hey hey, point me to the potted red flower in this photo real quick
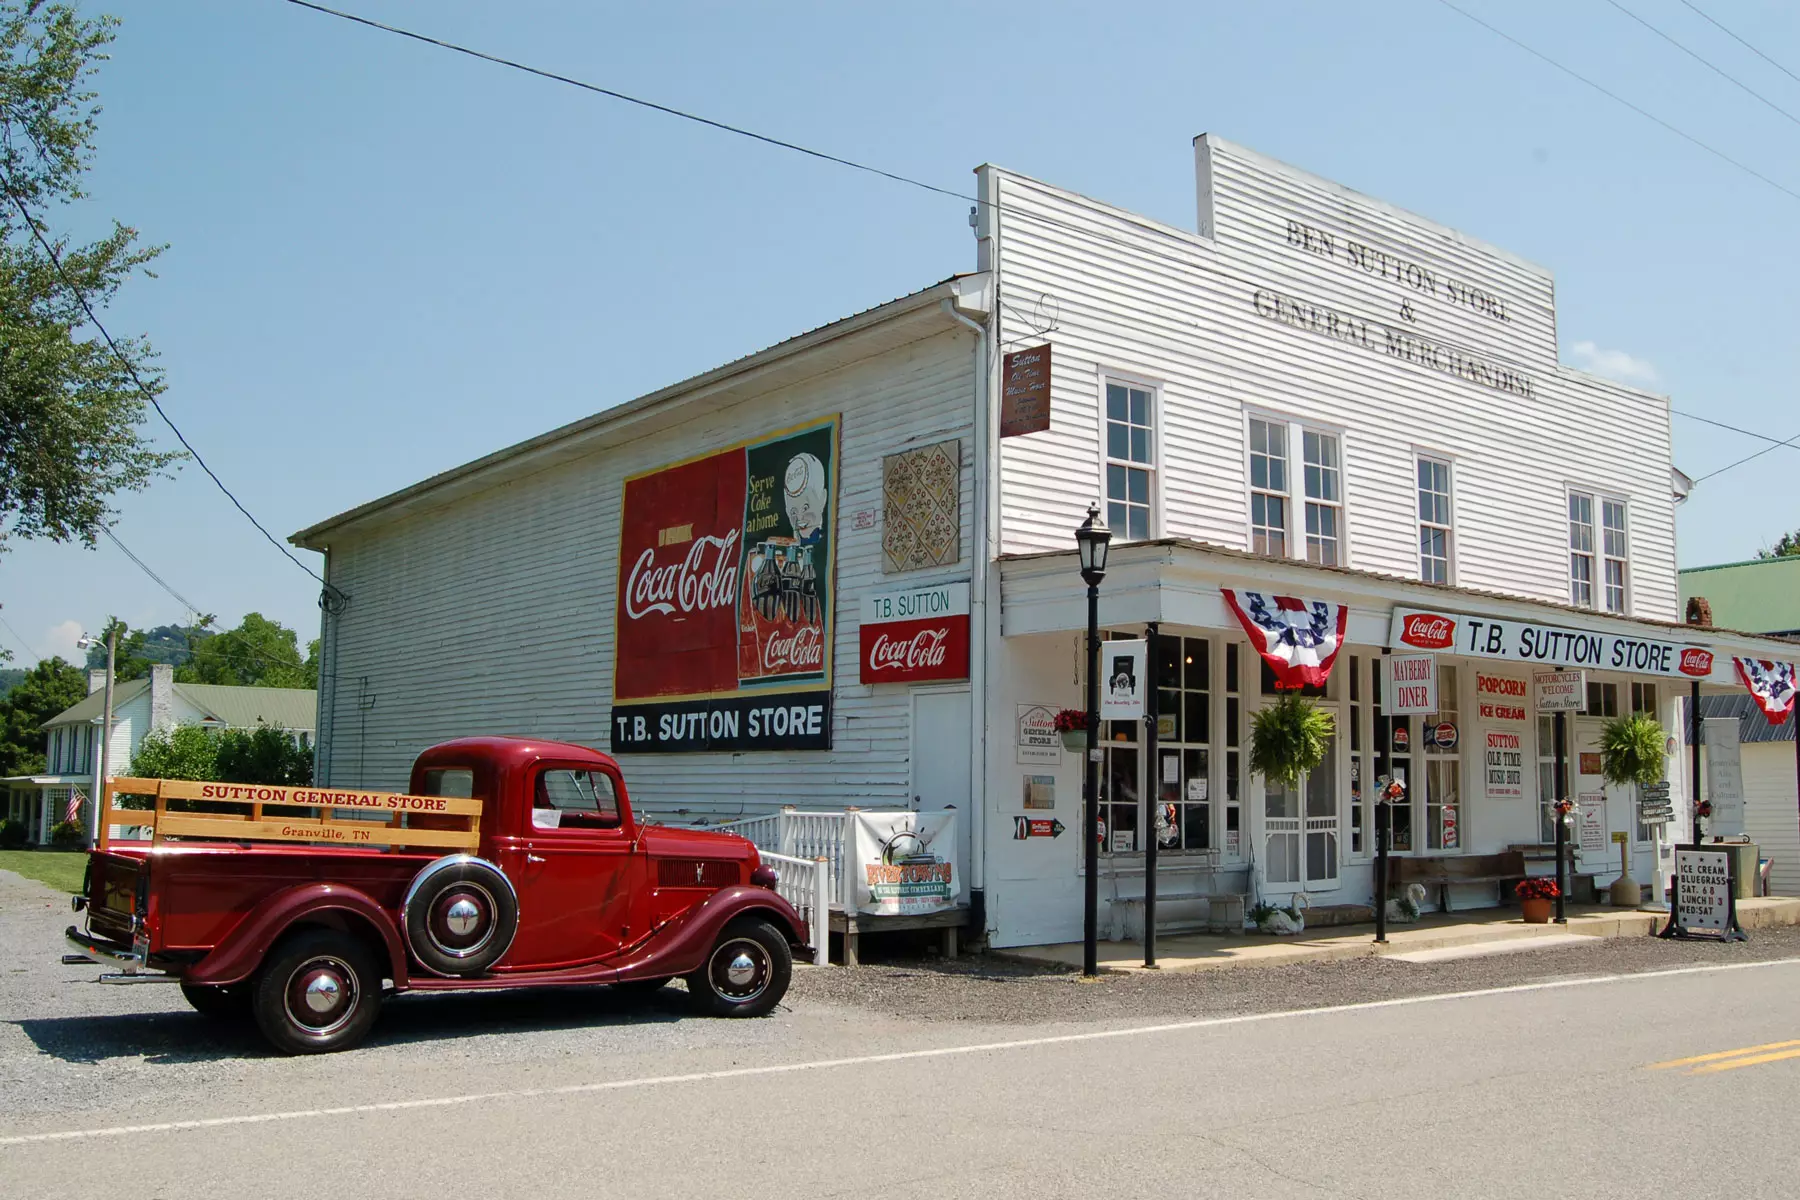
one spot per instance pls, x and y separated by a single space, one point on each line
1072 724
1535 895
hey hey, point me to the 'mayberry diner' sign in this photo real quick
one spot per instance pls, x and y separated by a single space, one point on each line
723 627
1551 645
918 635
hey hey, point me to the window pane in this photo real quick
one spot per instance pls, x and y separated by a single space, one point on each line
1259 436
1277 513
1259 471
1115 483
1140 523
1116 409
1277 474
1118 440
1115 517
1196 652
1140 407
1140 445
1139 484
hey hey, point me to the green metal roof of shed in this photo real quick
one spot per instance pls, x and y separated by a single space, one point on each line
1759 596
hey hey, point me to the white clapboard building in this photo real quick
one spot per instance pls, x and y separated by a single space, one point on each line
841 572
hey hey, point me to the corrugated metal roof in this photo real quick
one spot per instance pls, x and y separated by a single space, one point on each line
1762 594
237 707
1752 725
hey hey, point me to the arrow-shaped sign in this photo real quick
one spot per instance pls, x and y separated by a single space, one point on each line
1030 827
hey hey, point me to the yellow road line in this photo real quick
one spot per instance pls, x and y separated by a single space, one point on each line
1735 1063
1706 1058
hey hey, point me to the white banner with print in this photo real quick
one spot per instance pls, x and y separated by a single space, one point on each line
905 863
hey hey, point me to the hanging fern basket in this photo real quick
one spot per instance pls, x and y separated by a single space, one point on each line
1632 750
1289 738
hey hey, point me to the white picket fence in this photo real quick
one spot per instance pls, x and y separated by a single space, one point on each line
803 835
806 884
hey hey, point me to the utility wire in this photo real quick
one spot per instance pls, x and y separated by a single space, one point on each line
56 261
1740 41
1748 458
1716 70
19 638
1614 96
145 568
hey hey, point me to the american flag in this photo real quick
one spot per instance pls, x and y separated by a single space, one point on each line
77 802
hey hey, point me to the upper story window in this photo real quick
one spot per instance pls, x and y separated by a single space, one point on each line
1268 486
1130 458
1273 447
1434 520
1598 556
1324 498
1581 549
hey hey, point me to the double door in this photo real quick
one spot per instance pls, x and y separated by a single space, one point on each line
1301 828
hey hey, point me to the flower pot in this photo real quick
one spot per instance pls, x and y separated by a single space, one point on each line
1536 911
1074 740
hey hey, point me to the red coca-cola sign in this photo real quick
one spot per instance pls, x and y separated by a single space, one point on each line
916 636
1428 631
1695 661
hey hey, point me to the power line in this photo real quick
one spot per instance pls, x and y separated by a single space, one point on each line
56 262
1716 70
1614 96
1740 41
19 638
1748 458
145 568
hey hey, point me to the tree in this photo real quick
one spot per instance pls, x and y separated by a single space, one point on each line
180 752
258 653
1786 546
139 649
264 755
46 690
70 411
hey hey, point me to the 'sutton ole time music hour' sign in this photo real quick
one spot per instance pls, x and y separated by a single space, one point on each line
917 635
723 627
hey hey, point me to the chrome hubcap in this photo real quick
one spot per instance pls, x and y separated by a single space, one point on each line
321 995
462 917
462 920
740 970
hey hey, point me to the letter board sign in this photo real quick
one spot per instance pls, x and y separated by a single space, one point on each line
919 635
723 630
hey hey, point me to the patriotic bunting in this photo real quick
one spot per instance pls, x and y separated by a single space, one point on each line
1298 638
1772 683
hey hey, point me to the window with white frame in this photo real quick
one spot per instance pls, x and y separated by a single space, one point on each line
1581 549
1130 458
1324 498
1613 552
1268 487
1434 520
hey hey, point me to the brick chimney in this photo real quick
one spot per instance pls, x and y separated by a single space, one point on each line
96 681
162 696
1699 612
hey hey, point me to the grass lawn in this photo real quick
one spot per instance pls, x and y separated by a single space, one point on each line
61 869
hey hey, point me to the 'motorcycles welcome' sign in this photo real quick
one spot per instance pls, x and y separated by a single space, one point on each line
723 630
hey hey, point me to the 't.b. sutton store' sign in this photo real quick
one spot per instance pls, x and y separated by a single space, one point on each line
723 630
1527 641
916 636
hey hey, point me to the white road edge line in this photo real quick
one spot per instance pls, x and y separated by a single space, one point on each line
823 1064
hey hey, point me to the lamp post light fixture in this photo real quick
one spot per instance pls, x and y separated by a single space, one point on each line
88 642
1091 541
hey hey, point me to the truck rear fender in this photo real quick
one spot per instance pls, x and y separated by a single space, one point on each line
682 949
331 905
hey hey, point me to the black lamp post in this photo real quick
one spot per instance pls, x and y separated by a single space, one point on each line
1091 540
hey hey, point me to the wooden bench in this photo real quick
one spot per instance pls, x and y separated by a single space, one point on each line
854 925
1224 910
1443 870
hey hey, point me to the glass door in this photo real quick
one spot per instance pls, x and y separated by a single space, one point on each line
1281 836
1322 822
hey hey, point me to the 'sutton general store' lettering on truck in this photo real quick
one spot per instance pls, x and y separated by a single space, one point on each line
323 799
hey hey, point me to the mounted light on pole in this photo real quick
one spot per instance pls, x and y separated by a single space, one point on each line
1091 540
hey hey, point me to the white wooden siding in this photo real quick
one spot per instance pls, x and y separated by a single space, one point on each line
495 614
1771 814
1131 295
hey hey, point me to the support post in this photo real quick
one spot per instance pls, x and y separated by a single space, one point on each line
106 724
1560 774
1090 833
1794 721
1154 816
1694 757
1384 737
821 903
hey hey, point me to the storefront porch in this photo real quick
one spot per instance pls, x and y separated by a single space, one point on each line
1483 931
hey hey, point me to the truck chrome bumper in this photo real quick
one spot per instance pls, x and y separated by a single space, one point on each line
107 953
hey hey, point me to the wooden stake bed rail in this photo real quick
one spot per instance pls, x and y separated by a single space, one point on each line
254 813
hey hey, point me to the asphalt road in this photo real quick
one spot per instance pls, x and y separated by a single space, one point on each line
1535 1076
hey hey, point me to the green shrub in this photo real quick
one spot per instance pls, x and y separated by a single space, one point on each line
12 835
68 835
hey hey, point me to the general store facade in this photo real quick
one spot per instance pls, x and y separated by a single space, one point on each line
841 572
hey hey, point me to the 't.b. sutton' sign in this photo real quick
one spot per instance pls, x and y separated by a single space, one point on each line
918 635
1527 641
723 627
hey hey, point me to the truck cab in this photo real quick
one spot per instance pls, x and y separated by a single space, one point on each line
313 904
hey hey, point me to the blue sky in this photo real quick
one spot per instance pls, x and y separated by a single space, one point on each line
386 260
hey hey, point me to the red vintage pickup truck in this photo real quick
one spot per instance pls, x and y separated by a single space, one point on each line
509 862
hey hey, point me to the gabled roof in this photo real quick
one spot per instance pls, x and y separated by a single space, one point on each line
235 707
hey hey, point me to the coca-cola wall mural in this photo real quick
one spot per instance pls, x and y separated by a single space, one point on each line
723 631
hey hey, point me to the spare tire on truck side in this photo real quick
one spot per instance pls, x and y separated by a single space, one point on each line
461 915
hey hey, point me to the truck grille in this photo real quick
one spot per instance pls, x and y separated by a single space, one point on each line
696 872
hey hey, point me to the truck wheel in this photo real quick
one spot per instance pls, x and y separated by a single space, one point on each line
318 991
747 972
228 1002
461 915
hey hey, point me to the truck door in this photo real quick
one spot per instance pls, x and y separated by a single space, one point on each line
579 873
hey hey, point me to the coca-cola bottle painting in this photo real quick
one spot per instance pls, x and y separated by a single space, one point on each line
784 600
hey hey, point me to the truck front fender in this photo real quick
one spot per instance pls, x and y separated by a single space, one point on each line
682 948
241 952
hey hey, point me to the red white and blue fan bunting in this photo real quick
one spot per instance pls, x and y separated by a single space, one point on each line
1298 638
1772 683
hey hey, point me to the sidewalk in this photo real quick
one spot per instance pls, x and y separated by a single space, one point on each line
1434 931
